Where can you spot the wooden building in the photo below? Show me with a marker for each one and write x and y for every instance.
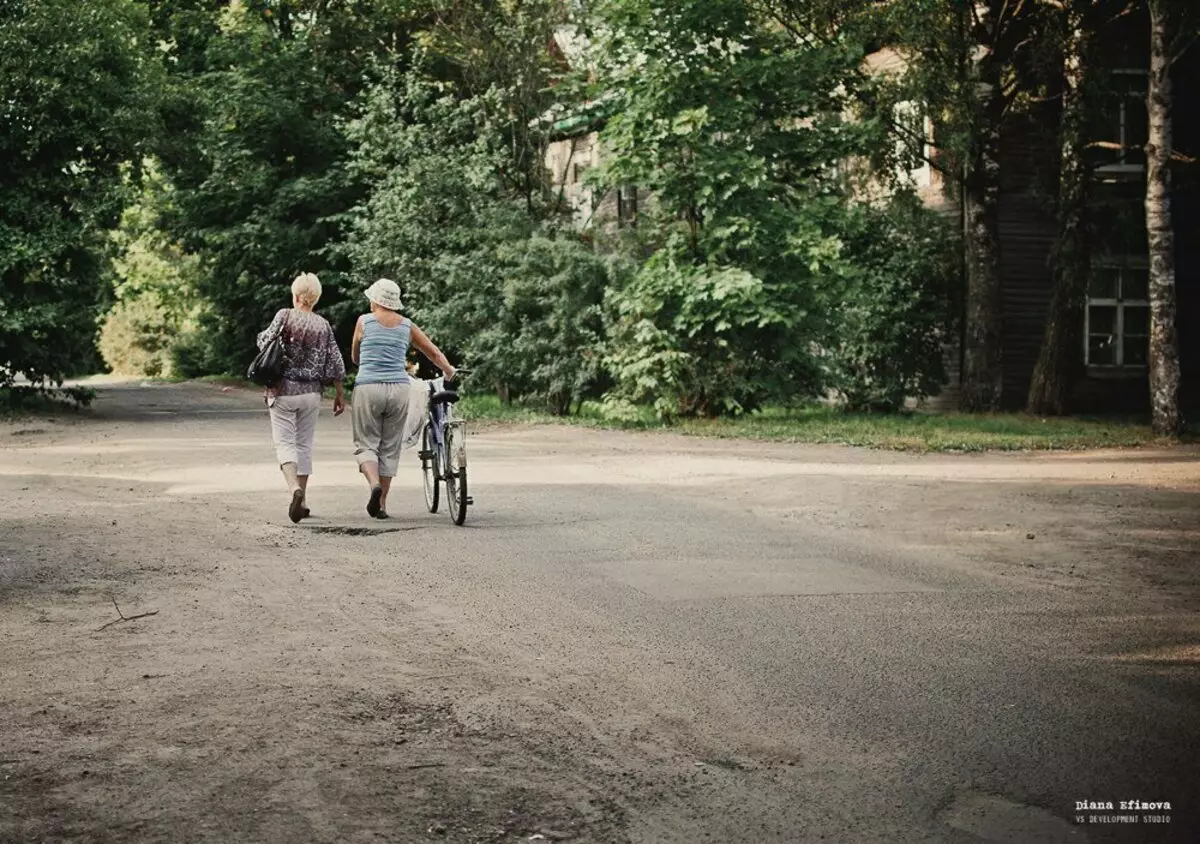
(1116, 327)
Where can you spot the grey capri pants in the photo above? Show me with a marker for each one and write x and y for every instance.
(378, 413)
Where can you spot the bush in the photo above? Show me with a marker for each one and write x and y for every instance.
(42, 399)
(137, 337)
(885, 298)
(524, 312)
(192, 355)
(548, 339)
(701, 340)
(857, 305)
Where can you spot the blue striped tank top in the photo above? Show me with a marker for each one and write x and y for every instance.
(383, 352)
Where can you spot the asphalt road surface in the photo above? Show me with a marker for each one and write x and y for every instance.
(636, 638)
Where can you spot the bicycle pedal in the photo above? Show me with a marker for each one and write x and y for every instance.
(425, 455)
(470, 499)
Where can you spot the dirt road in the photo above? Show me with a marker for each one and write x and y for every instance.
(637, 638)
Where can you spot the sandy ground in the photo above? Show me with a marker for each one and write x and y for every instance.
(637, 638)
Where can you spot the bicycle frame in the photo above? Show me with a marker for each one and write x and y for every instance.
(442, 467)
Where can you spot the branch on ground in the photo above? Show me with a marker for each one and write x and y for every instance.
(124, 617)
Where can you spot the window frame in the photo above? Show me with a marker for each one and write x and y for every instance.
(627, 206)
(921, 176)
(1120, 303)
(1123, 166)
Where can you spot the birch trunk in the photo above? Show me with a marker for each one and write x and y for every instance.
(1060, 361)
(1164, 336)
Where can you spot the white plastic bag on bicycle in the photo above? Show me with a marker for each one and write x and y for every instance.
(418, 410)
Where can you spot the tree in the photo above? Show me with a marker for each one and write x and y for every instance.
(479, 46)
(964, 67)
(80, 87)
(257, 150)
(731, 129)
(450, 216)
(1165, 35)
(768, 283)
(1060, 360)
(724, 122)
(437, 207)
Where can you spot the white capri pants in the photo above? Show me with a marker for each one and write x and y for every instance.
(294, 427)
(379, 416)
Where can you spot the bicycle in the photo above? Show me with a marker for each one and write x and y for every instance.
(444, 453)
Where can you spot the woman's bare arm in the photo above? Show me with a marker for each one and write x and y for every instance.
(427, 348)
(357, 341)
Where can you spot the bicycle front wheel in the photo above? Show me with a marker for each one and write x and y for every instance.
(456, 475)
(430, 470)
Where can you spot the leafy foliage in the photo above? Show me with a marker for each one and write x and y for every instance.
(548, 338)
(885, 286)
(79, 92)
(438, 207)
(407, 139)
(725, 122)
(700, 340)
(776, 284)
(259, 156)
(137, 337)
(155, 290)
(516, 302)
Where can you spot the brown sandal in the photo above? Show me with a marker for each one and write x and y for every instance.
(373, 508)
(297, 510)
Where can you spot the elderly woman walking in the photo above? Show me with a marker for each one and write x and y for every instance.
(311, 360)
(381, 388)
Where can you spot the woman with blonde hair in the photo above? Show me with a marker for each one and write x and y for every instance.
(381, 388)
(311, 361)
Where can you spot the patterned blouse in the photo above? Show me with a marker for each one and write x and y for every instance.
(311, 357)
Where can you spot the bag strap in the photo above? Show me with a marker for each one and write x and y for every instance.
(283, 328)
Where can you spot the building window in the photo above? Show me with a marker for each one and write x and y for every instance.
(1118, 315)
(627, 205)
(1124, 126)
(913, 130)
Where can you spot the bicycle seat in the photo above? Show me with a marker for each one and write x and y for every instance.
(444, 397)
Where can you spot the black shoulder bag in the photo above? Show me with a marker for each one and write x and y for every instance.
(267, 367)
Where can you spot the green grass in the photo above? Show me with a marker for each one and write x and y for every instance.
(929, 432)
(919, 432)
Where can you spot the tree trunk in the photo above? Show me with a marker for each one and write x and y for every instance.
(982, 371)
(1060, 362)
(1164, 336)
(285, 21)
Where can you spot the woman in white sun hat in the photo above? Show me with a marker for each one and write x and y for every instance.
(379, 406)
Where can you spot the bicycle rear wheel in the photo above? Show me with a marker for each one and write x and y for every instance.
(456, 475)
(430, 470)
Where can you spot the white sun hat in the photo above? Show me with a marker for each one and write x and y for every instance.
(386, 294)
